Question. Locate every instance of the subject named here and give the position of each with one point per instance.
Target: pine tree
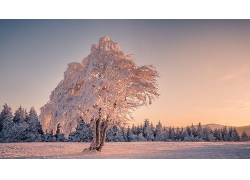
(20, 115)
(206, 133)
(139, 129)
(153, 131)
(130, 135)
(199, 131)
(133, 129)
(225, 134)
(244, 136)
(59, 136)
(113, 134)
(123, 136)
(140, 137)
(165, 134)
(159, 133)
(51, 137)
(171, 133)
(236, 135)
(178, 134)
(188, 129)
(184, 133)
(6, 123)
(194, 131)
(147, 131)
(211, 137)
(35, 128)
(83, 132)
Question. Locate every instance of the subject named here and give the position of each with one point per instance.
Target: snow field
(127, 150)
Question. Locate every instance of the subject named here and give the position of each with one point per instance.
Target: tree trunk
(93, 143)
(103, 139)
(99, 137)
(98, 134)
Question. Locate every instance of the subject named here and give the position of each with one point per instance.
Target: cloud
(228, 77)
(241, 104)
(236, 74)
(244, 106)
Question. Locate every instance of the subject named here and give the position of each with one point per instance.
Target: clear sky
(204, 64)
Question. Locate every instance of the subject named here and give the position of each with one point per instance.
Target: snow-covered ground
(129, 150)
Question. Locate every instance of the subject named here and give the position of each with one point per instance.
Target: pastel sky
(204, 64)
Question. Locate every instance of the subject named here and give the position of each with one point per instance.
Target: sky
(204, 65)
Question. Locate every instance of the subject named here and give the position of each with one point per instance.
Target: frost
(105, 85)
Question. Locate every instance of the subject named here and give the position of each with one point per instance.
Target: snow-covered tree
(171, 131)
(35, 128)
(225, 134)
(211, 137)
(130, 136)
(159, 134)
(234, 135)
(113, 134)
(49, 137)
(184, 133)
(6, 123)
(165, 134)
(105, 86)
(206, 133)
(20, 115)
(147, 131)
(194, 131)
(244, 136)
(199, 131)
(20, 127)
(59, 136)
(133, 129)
(178, 134)
(82, 132)
(123, 135)
(139, 129)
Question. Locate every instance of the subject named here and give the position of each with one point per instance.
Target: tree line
(25, 127)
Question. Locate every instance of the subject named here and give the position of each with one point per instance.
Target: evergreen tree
(51, 137)
(188, 129)
(171, 132)
(165, 134)
(211, 137)
(113, 134)
(184, 133)
(130, 135)
(178, 134)
(133, 129)
(140, 137)
(6, 123)
(194, 131)
(20, 116)
(206, 133)
(159, 133)
(147, 131)
(153, 131)
(35, 127)
(199, 131)
(244, 136)
(236, 134)
(83, 132)
(225, 134)
(59, 136)
(123, 136)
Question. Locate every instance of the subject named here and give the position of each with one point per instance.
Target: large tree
(104, 88)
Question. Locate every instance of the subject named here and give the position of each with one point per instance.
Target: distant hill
(239, 129)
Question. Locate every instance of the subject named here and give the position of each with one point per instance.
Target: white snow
(128, 150)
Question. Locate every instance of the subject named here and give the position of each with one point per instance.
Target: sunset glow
(204, 65)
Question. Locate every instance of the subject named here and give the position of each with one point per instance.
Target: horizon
(203, 64)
